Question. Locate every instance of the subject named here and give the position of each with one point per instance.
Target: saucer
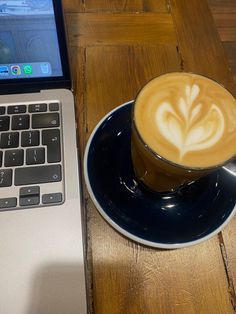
(186, 217)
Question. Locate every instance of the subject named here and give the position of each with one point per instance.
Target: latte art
(180, 127)
(187, 119)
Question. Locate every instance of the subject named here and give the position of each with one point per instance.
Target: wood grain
(227, 34)
(213, 63)
(132, 279)
(155, 5)
(225, 20)
(226, 24)
(77, 6)
(73, 6)
(222, 6)
(125, 5)
(115, 74)
(109, 67)
(107, 29)
(230, 50)
(77, 58)
(127, 277)
(199, 42)
(224, 14)
(78, 66)
(228, 245)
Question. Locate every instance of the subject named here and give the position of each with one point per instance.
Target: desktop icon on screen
(27, 68)
(15, 70)
(4, 71)
(45, 67)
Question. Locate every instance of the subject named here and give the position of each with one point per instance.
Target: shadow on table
(57, 288)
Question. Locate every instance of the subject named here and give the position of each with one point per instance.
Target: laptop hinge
(32, 87)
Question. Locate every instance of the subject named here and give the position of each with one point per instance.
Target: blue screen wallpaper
(28, 40)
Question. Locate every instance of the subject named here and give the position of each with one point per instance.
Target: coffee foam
(187, 119)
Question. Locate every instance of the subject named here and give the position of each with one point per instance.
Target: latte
(187, 119)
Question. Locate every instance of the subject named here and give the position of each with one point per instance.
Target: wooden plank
(212, 62)
(196, 29)
(77, 58)
(120, 29)
(113, 5)
(133, 279)
(73, 6)
(125, 76)
(227, 34)
(230, 50)
(125, 5)
(78, 69)
(222, 6)
(228, 245)
(155, 5)
(226, 24)
(225, 20)
(127, 277)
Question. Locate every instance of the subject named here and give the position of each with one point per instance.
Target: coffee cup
(183, 128)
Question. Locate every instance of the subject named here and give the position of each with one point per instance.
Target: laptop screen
(29, 45)
(33, 53)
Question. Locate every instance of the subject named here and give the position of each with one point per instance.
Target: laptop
(41, 236)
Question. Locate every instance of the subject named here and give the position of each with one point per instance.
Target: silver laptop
(41, 246)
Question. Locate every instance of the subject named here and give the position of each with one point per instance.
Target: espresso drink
(184, 125)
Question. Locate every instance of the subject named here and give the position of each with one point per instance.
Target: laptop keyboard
(31, 163)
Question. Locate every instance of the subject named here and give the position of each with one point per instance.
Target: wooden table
(116, 46)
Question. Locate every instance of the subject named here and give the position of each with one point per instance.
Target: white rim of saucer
(115, 225)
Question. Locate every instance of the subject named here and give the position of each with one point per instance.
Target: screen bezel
(36, 84)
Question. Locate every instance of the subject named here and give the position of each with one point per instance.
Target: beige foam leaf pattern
(177, 126)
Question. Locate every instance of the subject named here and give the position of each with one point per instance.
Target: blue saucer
(165, 220)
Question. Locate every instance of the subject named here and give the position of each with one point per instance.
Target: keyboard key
(52, 198)
(45, 120)
(16, 109)
(54, 106)
(38, 174)
(29, 200)
(29, 191)
(29, 138)
(35, 156)
(37, 107)
(9, 140)
(5, 177)
(4, 123)
(2, 110)
(14, 157)
(20, 122)
(1, 158)
(8, 202)
(51, 138)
